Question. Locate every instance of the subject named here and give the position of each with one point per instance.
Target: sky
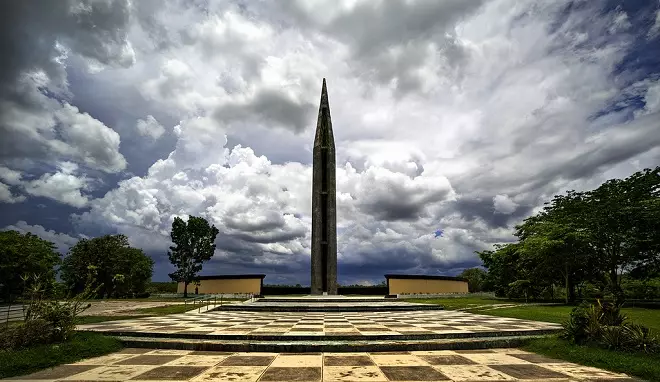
(454, 115)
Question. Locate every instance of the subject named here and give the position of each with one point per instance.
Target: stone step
(331, 299)
(323, 345)
(290, 338)
(326, 307)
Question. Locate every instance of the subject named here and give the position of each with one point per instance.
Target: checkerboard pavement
(443, 365)
(323, 324)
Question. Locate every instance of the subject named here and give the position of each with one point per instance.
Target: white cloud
(503, 204)
(461, 116)
(6, 195)
(62, 241)
(63, 186)
(10, 176)
(150, 127)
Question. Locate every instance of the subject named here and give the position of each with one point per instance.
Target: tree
(594, 237)
(502, 267)
(193, 244)
(120, 270)
(21, 257)
(555, 242)
(623, 225)
(475, 278)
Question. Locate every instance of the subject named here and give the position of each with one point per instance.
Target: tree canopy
(194, 243)
(597, 237)
(121, 270)
(23, 255)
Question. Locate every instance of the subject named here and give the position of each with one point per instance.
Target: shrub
(575, 328)
(640, 338)
(604, 324)
(610, 314)
(60, 315)
(26, 334)
(613, 337)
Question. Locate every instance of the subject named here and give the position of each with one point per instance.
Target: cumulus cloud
(61, 186)
(62, 241)
(463, 116)
(37, 120)
(149, 127)
(6, 196)
(503, 204)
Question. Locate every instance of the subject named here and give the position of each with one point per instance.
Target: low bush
(604, 325)
(26, 334)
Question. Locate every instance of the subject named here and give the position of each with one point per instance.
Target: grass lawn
(548, 313)
(647, 317)
(145, 312)
(452, 303)
(169, 309)
(81, 345)
(646, 366)
(81, 320)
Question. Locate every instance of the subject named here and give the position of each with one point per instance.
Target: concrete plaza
(444, 365)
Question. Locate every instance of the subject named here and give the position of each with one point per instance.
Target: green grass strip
(646, 366)
(80, 346)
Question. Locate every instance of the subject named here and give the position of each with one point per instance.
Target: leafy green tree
(193, 245)
(555, 242)
(623, 224)
(584, 238)
(120, 270)
(23, 255)
(502, 267)
(475, 278)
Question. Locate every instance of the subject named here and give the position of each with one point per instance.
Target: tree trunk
(616, 288)
(566, 278)
(185, 289)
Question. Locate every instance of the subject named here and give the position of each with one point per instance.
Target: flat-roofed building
(226, 284)
(425, 284)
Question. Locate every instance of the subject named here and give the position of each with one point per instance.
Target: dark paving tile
(247, 360)
(350, 333)
(357, 360)
(392, 353)
(294, 329)
(209, 352)
(446, 360)
(412, 373)
(468, 351)
(57, 372)
(172, 372)
(372, 329)
(536, 358)
(148, 359)
(234, 329)
(200, 331)
(338, 326)
(134, 351)
(528, 371)
(292, 374)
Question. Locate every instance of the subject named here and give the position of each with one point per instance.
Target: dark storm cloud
(394, 200)
(406, 27)
(393, 209)
(34, 36)
(270, 106)
(483, 208)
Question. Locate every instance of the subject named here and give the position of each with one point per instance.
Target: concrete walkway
(444, 365)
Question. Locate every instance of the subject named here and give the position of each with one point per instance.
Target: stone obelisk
(324, 204)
